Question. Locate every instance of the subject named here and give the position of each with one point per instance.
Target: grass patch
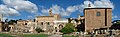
(35, 35)
(5, 35)
(69, 36)
(23, 35)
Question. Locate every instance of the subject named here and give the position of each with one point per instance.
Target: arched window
(25, 23)
(98, 14)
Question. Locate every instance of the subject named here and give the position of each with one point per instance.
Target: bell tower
(50, 12)
(89, 5)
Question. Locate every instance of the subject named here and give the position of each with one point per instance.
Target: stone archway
(60, 26)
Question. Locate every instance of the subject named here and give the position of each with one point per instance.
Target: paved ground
(55, 35)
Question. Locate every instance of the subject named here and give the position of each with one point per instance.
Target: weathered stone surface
(92, 21)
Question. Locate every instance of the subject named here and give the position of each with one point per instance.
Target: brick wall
(92, 21)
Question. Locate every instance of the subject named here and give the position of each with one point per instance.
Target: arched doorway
(60, 27)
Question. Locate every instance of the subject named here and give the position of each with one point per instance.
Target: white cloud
(66, 12)
(21, 5)
(5, 11)
(4, 18)
(59, 10)
(72, 8)
(45, 10)
(13, 7)
(30, 17)
(86, 4)
(114, 17)
(99, 4)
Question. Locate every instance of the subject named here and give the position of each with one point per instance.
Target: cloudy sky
(28, 9)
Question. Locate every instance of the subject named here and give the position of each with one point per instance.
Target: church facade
(96, 18)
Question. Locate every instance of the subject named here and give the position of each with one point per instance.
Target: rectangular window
(41, 23)
(98, 14)
(48, 23)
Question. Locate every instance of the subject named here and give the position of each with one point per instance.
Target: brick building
(96, 18)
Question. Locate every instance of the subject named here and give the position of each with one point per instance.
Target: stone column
(44, 23)
(0, 27)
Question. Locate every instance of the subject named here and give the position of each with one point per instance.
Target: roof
(21, 20)
(44, 16)
(98, 8)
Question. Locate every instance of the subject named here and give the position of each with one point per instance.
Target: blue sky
(47, 4)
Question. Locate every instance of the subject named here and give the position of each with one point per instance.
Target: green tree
(12, 22)
(116, 24)
(39, 30)
(69, 28)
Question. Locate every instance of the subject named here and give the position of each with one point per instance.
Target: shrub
(39, 30)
